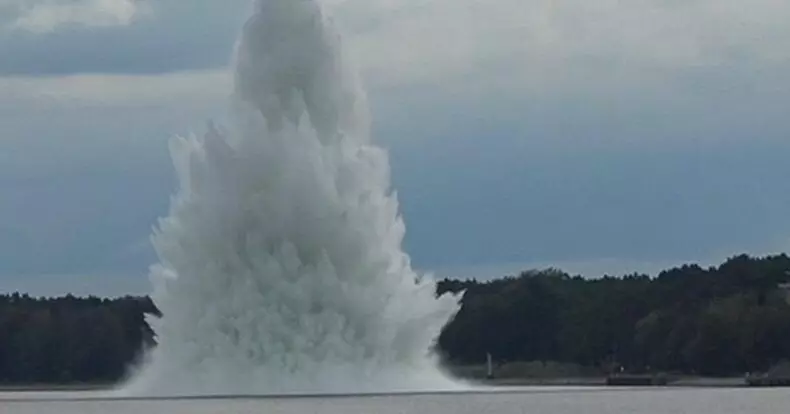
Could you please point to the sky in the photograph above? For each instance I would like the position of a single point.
(599, 137)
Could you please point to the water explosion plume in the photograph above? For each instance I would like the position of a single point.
(281, 268)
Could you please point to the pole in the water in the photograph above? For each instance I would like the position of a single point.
(490, 365)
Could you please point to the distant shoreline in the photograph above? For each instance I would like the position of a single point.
(703, 382)
(54, 387)
(706, 382)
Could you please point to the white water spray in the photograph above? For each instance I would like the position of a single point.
(281, 268)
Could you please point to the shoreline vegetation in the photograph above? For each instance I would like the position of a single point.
(599, 381)
(518, 374)
(727, 325)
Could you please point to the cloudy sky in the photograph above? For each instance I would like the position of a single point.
(602, 136)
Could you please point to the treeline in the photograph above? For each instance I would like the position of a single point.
(723, 320)
(69, 339)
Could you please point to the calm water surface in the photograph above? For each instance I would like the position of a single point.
(539, 400)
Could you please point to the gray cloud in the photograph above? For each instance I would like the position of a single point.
(178, 35)
(48, 16)
(535, 39)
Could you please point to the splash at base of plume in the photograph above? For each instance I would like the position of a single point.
(281, 269)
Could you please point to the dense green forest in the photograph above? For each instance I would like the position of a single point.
(724, 320)
(70, 340)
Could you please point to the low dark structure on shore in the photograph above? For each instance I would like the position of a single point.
(778, 376)
(768, 382)
(636, 380)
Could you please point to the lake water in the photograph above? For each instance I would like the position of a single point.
(538, 400)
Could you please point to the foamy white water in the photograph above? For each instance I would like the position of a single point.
(281, 268)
